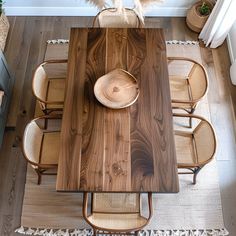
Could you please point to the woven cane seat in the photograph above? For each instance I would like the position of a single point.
(116, 202)
(185, 149)
(180, 90)
(38, 145)
(50, 155)
(55, 92)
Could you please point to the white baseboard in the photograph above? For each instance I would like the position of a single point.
(51, 11)
(86, 11)
(167, 12)
(231, 53)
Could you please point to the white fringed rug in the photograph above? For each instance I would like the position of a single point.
(89, 232)
(195, 211)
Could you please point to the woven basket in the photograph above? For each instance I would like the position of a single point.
(195, 20)
(4, 28)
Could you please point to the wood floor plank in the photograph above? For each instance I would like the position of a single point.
(27, 102)
(4, 154)
(178, 28)
(17, 56)
(12, 165)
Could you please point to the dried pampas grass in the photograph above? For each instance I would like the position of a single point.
(100, 4)
(139, 5)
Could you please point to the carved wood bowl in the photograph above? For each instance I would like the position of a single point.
(117, 89)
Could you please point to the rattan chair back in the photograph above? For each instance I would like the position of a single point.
(188, 86)
(198, 81)
(118, 213)
(205, 142)
(39, 86)
(196, 145)
(37, 143)
(112, 17)
(32, 141)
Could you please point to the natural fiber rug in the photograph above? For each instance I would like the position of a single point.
(195, 211)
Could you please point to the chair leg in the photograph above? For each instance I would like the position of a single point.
(190, 118)
(40, 173)
(136, 233)
(39, 176)
(195, 173)
(94, 232)
(45, 126)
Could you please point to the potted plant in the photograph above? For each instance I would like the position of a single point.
(4, 27)
(198, 14)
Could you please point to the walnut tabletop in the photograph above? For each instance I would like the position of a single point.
(125, 150)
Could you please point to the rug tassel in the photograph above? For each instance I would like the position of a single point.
(188, 42)
(58, 41)
(20, 230)
(89, 232)
(179, 42)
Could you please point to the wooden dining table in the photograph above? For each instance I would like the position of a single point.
(117, 150)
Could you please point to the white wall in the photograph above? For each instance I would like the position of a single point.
(81, 8)
(232, 43)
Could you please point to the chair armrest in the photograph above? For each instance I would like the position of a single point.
(182, 59)
(46, 118)
(185, 101)
(55, 116)
(50, 131)
(190, 116)
(60, 78)
(52, 102)
(53, 62)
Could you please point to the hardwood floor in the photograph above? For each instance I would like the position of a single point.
(25, 49)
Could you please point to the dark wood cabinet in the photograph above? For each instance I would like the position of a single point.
(6, 85)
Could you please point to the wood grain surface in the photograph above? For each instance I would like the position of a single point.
(126, 150)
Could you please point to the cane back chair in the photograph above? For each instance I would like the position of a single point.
(37, 146)
(49, 91)
(187, 86)
(196, 146)
(112, 17)
(116, 213)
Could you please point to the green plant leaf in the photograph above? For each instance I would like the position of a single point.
(205, 9)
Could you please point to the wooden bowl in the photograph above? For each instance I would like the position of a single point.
(117, 89)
